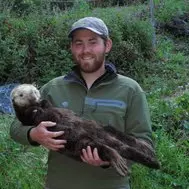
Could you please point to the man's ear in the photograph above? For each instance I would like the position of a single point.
(108, 45)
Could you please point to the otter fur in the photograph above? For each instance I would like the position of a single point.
(112, 145)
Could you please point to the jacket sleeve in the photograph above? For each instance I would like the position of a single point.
(20, 133)
(138, 122)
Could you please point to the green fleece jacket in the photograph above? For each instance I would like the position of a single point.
(114, 100)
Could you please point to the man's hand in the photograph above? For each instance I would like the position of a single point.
(41, 135)
(92, 157)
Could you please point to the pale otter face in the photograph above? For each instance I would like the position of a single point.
(25, 95)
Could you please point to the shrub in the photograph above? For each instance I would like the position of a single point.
(135, 46)
(35, 48)
(171, 115)
(165, 10)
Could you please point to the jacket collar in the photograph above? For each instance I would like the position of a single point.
(75, 75)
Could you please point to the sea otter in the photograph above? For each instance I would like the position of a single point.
(112, 145)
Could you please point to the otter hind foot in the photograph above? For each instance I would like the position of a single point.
(121, 166)
(119, 163)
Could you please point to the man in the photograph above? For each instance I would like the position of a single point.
(95, 91)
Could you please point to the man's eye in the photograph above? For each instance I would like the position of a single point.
(78, 43)
(92, 42)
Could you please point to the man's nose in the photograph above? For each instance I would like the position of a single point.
(86, 48)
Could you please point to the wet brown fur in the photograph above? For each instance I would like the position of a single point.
(112, 145)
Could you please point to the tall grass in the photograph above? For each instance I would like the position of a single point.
(174, 170)
(20, 167)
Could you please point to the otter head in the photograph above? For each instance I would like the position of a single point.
(25, 95)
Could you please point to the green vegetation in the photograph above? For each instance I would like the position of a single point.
(20, 167)
(35, 44)
(168, 9)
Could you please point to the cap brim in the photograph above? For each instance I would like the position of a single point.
(89, 28)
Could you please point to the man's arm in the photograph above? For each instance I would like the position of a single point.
(20, 133)
(138, 122)
(48, 139)
(35, 136)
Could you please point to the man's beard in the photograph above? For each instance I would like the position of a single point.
(91, 67)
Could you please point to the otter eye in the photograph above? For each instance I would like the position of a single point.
(35, 111)
(21, 95)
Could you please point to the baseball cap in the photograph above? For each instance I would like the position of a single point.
(94, 24)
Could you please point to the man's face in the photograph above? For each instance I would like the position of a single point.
(89, 49)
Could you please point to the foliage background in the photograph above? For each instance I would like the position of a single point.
(32, 44)
(34, 48)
